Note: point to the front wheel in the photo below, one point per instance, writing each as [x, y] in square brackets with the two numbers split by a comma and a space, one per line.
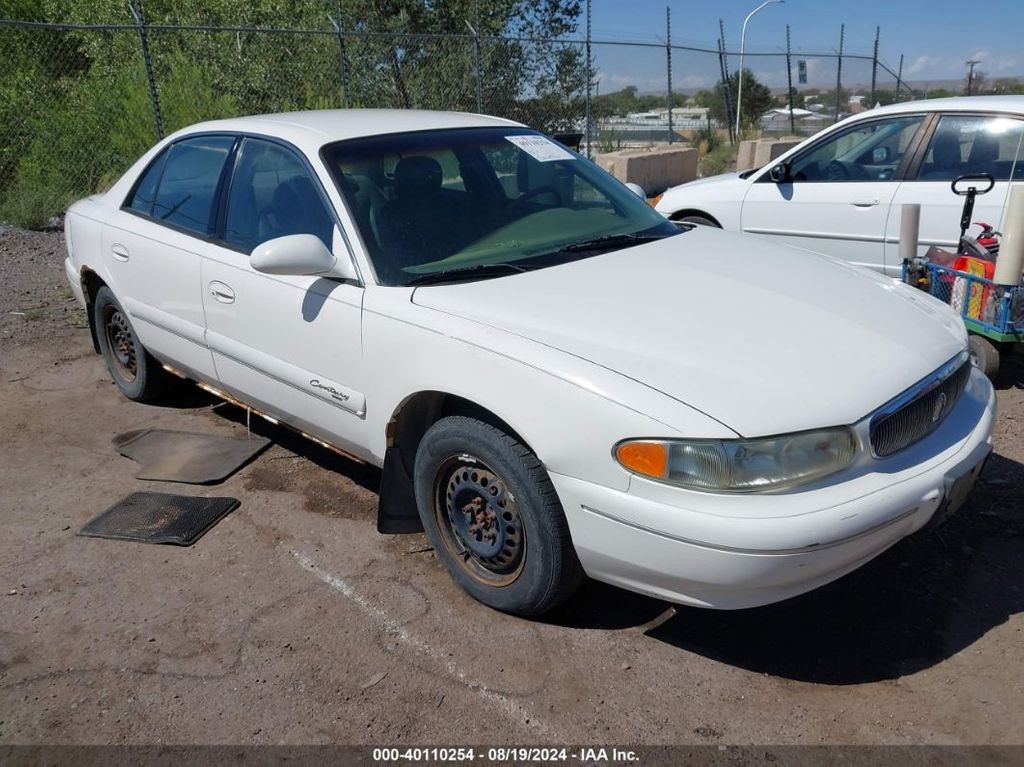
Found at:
[699, 220]
[493, 517]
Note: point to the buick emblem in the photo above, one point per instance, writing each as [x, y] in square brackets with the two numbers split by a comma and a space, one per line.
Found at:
[939, 406]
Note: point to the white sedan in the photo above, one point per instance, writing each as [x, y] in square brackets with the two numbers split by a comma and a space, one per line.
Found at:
[841, 191]
[556, 381]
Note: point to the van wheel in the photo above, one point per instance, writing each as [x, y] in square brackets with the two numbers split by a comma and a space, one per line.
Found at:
[493, 517]
[138, 375]
[984, 355]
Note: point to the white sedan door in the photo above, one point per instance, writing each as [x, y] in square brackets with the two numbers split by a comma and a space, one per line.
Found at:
[962, 144]
[153, 249]
[838, 193]
[289, 346]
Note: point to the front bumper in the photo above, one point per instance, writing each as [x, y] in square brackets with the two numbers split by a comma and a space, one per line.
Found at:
[731, 552]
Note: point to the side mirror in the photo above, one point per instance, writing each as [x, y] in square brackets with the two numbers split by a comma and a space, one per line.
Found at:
[779, 173]
[300, 254]
[637, 190]
[880, 155]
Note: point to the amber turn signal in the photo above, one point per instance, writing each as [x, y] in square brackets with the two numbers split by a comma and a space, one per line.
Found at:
[647, 458]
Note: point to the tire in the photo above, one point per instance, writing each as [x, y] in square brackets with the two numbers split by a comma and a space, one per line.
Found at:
[984, 355]
[700, 220]
[493, 517]
[138, 375]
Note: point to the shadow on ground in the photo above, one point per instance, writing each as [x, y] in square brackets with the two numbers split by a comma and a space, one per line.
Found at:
[918, 604]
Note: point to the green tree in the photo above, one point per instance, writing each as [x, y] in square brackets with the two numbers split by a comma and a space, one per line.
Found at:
[757, 99]
[1007, 86]
[400, 53]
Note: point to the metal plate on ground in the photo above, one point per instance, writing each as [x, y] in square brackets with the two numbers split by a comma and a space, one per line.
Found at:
[180, 456]
[160, 518]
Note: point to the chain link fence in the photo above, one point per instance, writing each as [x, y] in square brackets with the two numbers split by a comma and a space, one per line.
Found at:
[80, 102]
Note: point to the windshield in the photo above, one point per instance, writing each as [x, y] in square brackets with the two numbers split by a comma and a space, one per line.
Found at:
[482, 202]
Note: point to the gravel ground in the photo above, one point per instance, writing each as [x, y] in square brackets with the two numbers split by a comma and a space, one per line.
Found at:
[35, 300]
[294, 622]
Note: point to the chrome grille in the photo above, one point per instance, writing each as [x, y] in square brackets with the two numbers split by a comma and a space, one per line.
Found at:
[912, 418]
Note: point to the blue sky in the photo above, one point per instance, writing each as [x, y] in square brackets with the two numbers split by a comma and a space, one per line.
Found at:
[935, 36]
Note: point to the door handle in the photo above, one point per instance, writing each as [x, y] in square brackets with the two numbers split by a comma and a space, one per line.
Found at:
[119, 251]
[222, 292]
[865, 202]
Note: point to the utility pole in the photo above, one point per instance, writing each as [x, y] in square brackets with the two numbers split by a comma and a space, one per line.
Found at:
[970, 75]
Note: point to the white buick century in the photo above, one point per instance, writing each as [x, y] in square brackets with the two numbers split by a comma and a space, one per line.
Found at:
[557, 381]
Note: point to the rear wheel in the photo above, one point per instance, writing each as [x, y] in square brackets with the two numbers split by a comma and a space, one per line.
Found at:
[136, 372]
[493, 517]
[984, 355]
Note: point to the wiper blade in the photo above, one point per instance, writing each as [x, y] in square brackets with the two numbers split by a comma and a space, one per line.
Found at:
[481, 271]
[610, 241]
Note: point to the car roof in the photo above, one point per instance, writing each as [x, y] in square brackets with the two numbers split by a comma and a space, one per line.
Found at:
[312, 129]
[956, 104]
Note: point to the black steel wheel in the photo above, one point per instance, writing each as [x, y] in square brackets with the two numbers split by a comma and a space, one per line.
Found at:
[494, 518]
[478, 520]
[137, 374]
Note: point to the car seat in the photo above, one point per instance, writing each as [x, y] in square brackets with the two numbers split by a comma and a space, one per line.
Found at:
[984, 155]
[946, 159]
[297, 209]
[415, 227]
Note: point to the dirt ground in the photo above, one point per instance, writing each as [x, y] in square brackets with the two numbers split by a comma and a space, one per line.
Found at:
[292, 621]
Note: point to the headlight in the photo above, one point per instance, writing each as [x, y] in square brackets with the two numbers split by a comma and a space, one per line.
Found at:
[741, 465]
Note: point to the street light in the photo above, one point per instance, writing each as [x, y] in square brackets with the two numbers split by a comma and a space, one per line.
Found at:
[743, 42]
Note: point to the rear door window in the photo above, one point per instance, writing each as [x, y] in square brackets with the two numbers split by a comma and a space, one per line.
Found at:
[974, 144]
[188, 184]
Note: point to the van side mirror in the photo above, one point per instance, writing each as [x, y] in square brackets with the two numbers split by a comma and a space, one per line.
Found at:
[300, 254]
[780, 173]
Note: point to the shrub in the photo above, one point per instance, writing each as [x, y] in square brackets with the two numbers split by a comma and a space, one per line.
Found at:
[81, 139]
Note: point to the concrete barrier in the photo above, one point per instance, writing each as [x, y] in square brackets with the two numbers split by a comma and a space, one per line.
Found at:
[745, 154]
[655, 169]
[771, 149]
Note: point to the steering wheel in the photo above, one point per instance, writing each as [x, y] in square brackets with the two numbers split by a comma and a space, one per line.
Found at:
[836, 171]
[529, 194]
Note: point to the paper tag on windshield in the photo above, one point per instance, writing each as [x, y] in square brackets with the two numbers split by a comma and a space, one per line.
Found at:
[540, 148]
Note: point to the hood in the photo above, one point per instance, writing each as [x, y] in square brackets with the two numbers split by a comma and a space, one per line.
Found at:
[719, 179]
[764, 338]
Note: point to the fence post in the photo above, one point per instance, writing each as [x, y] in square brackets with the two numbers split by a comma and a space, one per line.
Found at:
[734, 133]
[590, 81]
[839, 69]
[668, 62]
[339, 28]
[135, 6]
[725, 89]
[478, 58]
[789, 78]
[874, 68]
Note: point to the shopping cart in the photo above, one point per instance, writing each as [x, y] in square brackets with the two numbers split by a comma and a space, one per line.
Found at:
[993, 314]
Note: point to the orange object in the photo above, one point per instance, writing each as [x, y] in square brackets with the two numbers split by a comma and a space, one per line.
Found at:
[647, 458]
[979, 294]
